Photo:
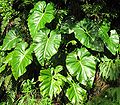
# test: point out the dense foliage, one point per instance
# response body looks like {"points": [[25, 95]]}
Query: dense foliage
{"points": [[62, 52]]}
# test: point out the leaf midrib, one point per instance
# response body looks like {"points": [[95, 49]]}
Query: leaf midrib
{"points": [[9, 43], [45, 48], [36, 28], [23, 56]]}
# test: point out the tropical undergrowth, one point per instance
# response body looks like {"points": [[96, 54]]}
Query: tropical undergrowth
{"points": [[61, 53]]}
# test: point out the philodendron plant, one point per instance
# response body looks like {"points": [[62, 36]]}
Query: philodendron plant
{"points": [[67, 64]]}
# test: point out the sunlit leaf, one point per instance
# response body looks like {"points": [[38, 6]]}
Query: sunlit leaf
{"points": [[75, 94], [21, 58], [82, 64], [112, 42], [41, 14], [86, 32], [47, 44], [10, 40], [51, 82]]}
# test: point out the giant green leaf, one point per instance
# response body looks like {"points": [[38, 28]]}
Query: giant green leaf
{"points": [[76, 94], [41, 14], [81, 64], [10, 40], [86, 32], [112, 42], [103, 31], [20, 59], [47, 44], [51, 81]]}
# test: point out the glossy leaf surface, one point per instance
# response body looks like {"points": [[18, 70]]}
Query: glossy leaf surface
{"points": [[40, 15], [47, 44], [81, 64], [86, 32], [10, 41], [51, 81], [112, 42], [75, 94], [20, 59]]}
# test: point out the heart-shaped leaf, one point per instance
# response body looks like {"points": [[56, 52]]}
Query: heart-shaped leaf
{"points": [[47, 44], [20, 59], [10, 41], [41, 14], [86, 32], [81, 64], [112, 42], [51, 82]]}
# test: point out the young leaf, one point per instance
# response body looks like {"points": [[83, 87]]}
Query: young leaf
{"points": [[10, 41], [21, 58], [86, 32], [75, 94], [46, 46], [7, 82], [51, 82], [6, 61], [41, 14], [80, 63]]}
